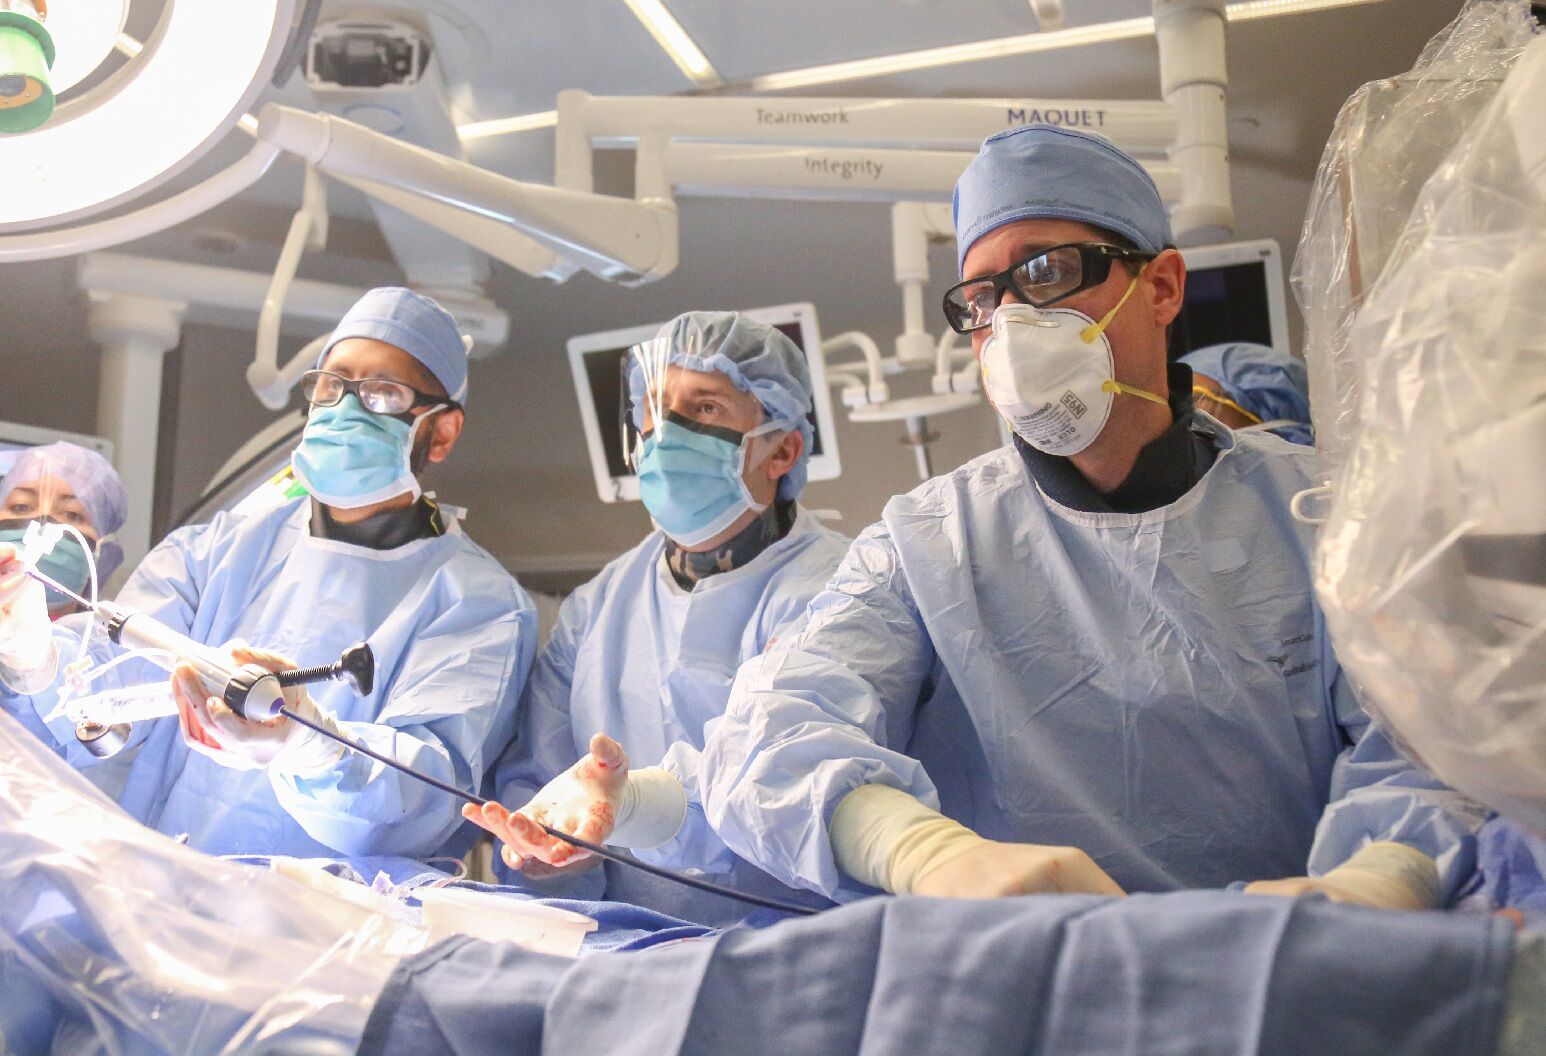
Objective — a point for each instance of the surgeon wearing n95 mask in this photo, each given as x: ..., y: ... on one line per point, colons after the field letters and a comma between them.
x: 360, y: 553
x: 1091, y: 661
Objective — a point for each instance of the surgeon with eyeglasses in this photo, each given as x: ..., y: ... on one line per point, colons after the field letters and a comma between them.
x: 359, y: 553
x: 1090, y: 661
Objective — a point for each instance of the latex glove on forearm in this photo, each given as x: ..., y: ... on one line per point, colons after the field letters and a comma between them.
x: 887, y: 839
x: 1383, y: 875
x: 27, y: 655
x: 212, y: 729
x: 597, y: 800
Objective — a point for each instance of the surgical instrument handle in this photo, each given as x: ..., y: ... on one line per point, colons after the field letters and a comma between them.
x: 259, y: 700
x: 356, y: 666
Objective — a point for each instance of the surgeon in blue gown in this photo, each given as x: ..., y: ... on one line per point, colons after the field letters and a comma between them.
x: 66, y: 484
x: 1251, y: 387
x: 648, y: 649
x: 1092, y: 660
x: 361, y: 555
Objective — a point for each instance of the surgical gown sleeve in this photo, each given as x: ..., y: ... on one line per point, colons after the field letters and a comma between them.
x: 451, y: 695
x: 1378, y: 794
x: 818, y: 715
x: 167, y: 586
x: 544, y: 744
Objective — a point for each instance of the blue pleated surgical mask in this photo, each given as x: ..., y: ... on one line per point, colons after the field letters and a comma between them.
x: 349, y: 457
x: 691, y: 477
x: 65, y: 564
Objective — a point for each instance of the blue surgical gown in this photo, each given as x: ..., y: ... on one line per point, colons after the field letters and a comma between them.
x: 1156, y: 688
x: 650, y: 664
x: 453, y: 636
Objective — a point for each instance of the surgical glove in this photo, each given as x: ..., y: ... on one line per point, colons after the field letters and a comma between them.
x: 597, y: 800
x: 212, y: 729
x: 27, y: 656
x: 1383, y: 875
x: 887, y: 839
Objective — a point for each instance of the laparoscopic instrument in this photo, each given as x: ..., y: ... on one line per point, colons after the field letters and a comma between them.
x: 256, y: 694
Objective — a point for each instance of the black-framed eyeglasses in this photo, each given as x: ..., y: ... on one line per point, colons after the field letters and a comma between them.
x: 323, y: 388
x: 1041, y: 280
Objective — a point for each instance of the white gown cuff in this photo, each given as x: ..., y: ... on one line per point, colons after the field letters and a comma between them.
x: 654, y: 805
x: 885, y: 838
x: 306, y: 752
x: 20, y: 676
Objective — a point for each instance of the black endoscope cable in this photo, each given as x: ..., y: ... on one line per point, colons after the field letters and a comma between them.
x: 434, y: 782
x: 594, y: 848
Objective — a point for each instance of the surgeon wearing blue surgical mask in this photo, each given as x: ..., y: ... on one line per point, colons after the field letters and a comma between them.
x: 647, y: 650
x: 377, y: 420
x: 358, y: 552
x: 39, y: 489
x: 709, y: 460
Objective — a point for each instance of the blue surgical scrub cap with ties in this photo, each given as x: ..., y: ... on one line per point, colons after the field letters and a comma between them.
x: 1047, y: 172
x: 414, y: 323
x: 93, y: 480
x: 1270, y: 384
x: 756, y: 357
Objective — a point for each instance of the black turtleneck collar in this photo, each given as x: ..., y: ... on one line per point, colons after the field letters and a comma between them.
x: 689, y: 567
x: 386, y: 530
x: 1166, y: 468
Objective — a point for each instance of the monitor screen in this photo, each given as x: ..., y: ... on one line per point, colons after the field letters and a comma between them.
x: 599, y: 363
x: 1233, y: 293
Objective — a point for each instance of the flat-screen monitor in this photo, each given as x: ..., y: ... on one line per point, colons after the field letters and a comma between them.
x: 1234, y: 292
x: 597, y: 361
x: 16, y: 438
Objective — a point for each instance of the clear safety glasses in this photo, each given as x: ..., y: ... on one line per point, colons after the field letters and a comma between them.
x: 1041, y: 280
x: 323, y: 388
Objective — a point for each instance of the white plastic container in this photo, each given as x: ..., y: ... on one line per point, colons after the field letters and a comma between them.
x: 503, y: 918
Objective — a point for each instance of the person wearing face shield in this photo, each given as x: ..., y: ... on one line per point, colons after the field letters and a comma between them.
x: 1090, y: 661
x: 1254, y: 388
x: 647, y: 651
x: 61, y: 483
x: 358, y: 554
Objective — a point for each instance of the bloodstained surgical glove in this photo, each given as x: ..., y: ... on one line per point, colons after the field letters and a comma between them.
x: 1383, y: 875
x: 212, y: 729
x: 887, y: 839
x: 597, y: 800
x: 27, y: 655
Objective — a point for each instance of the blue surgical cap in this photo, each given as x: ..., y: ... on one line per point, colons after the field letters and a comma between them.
x: 93, y: 480
x: 414, y: 323
x: 756, y: 357
x: 1046, y: 172
x: 1270, y: 384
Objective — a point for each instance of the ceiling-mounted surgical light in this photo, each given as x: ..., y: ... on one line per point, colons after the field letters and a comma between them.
x: 45, y: 51
x: 206, y: 63
x: 26, y: 55
x: 673, y: 39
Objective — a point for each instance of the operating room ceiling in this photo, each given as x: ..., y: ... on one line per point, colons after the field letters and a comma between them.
x: 501, y: 58
x: 1289, y: 75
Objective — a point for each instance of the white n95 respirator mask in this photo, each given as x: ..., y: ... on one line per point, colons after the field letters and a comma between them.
x: 1049, y: 373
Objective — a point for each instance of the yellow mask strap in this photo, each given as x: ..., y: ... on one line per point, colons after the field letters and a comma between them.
x: 1220, y: 398
x: 1094, y: 330
x: 1142, y: 394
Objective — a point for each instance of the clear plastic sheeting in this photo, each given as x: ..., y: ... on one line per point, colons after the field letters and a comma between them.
x: 115, y: 939
x: 1389, y: 138
x: 1432, y: 566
